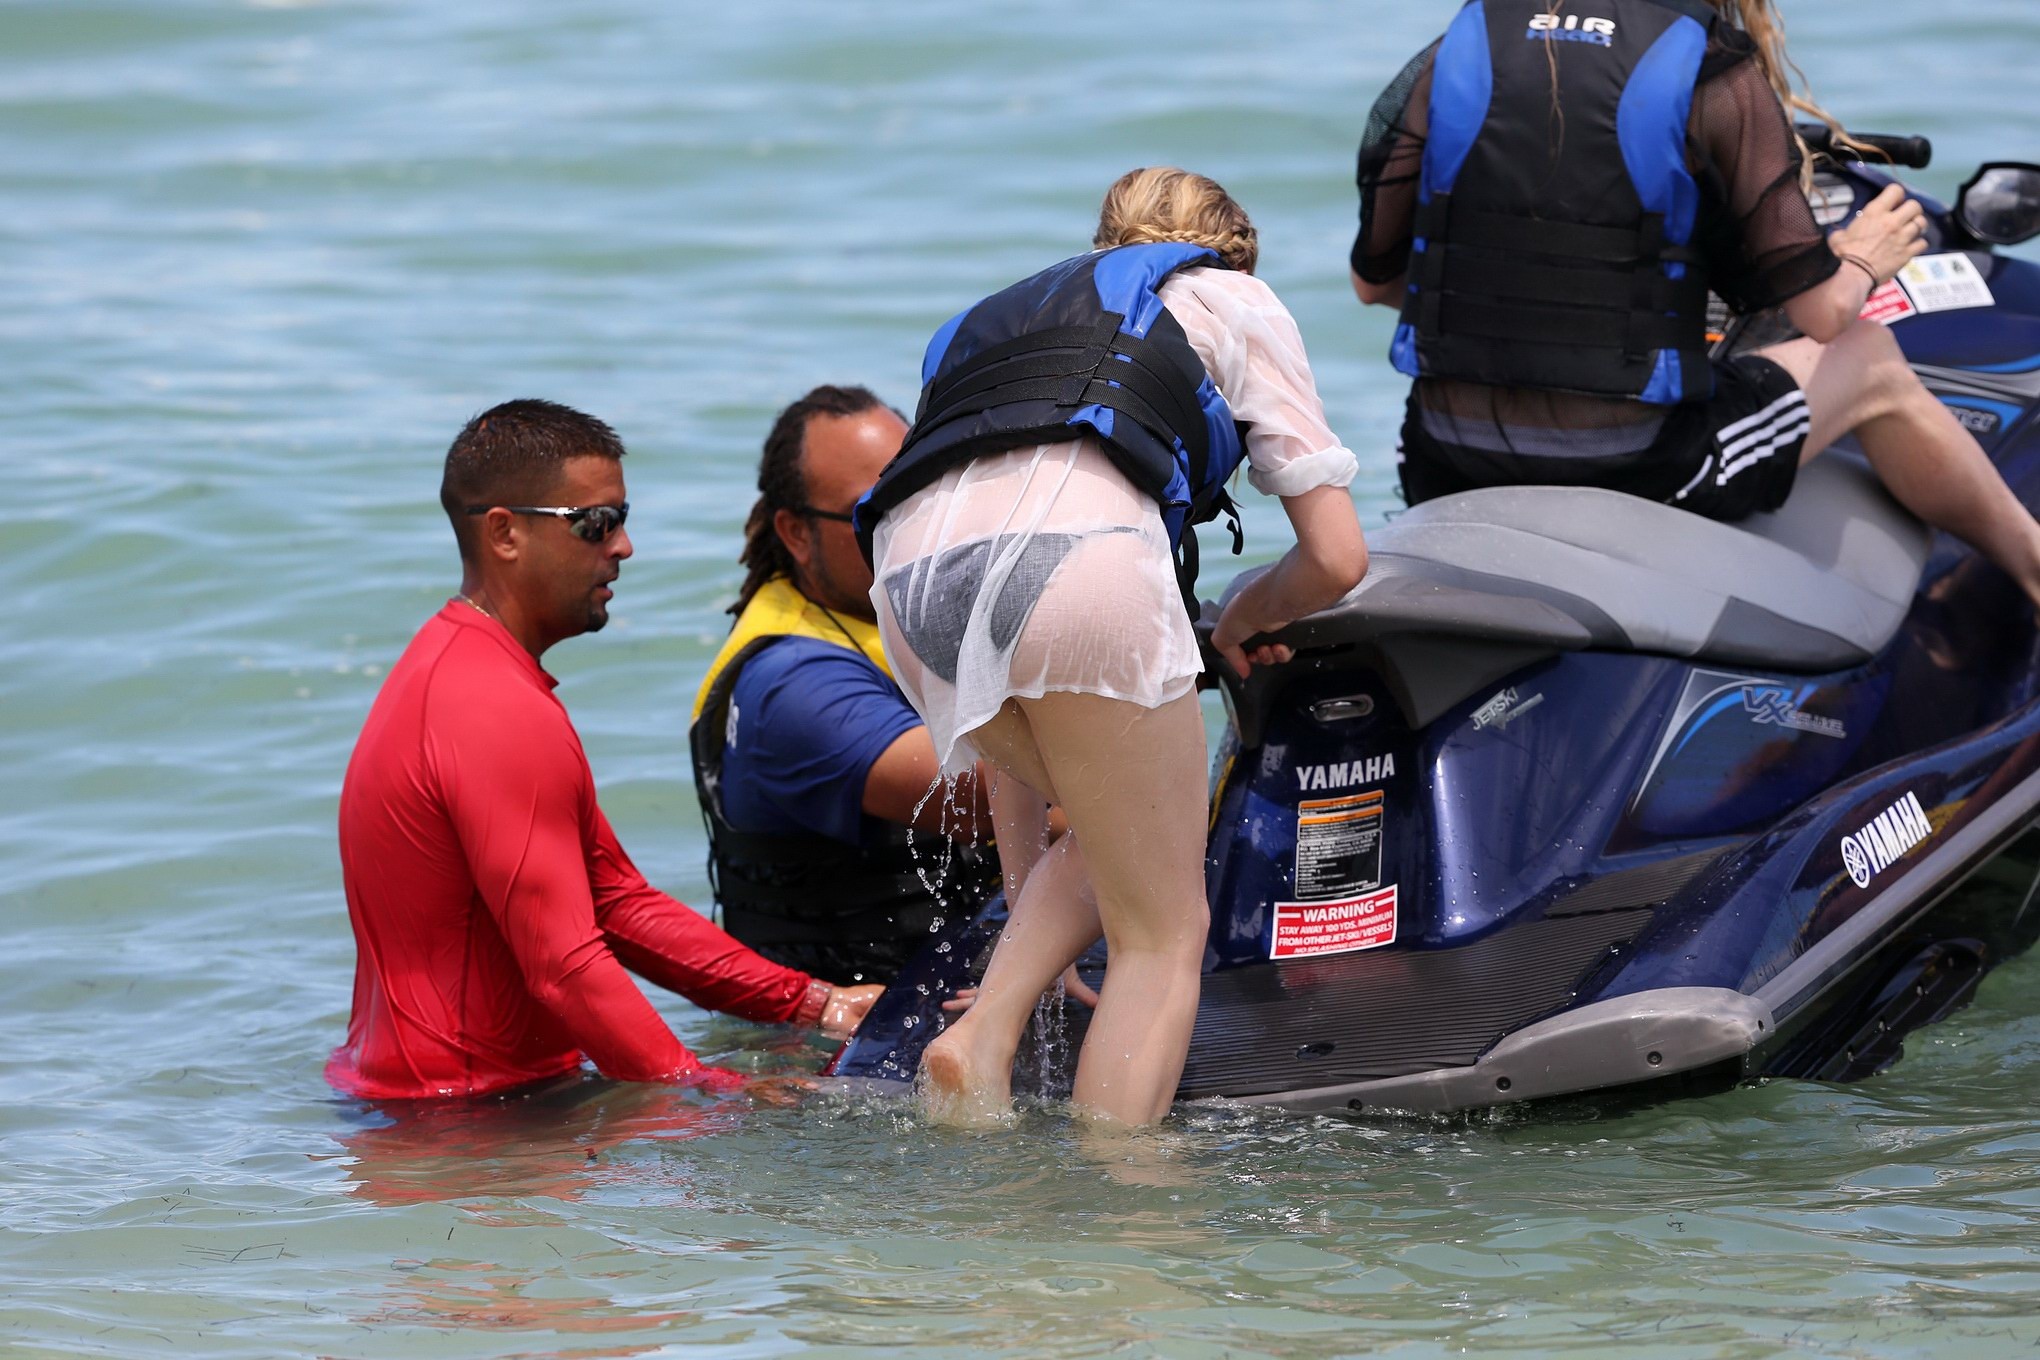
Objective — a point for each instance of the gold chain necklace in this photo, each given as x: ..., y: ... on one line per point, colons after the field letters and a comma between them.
x: 463, y: 598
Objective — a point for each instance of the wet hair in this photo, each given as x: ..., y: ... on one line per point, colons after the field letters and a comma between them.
x: 782, y: 485
x: 512, y: 454
x: 1162, y: 203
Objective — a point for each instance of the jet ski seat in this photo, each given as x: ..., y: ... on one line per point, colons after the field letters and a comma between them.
x: 1466, y: 588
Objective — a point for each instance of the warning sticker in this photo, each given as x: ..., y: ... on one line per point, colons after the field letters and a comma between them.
x: 1338, y: 846
x: 1304, y: 929
x: 1945, y: 283
x: 1887, y: 303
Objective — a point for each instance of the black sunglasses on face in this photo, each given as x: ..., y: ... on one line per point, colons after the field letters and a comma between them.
x: 594, y: 523
x: 841, y: 517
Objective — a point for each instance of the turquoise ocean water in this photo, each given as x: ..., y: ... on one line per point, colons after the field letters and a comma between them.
x: 259, y: 261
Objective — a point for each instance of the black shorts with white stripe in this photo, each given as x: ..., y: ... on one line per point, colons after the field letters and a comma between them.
x: 1743, y: 450
x: 1733, y: 455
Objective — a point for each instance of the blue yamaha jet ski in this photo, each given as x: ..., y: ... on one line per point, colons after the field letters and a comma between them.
x: 1578, y: 792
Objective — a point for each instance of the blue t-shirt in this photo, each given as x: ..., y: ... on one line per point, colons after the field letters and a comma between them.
x: 808, y: 720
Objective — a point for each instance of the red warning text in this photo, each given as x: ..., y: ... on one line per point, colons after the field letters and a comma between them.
x: 1304, y: 929
x: 1887, y: 303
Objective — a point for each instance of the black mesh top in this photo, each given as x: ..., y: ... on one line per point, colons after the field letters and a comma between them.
x: 1755, y: 230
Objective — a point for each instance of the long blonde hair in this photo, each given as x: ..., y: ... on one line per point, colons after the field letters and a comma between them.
x: 1766, y: 29
x: 1162, y: 203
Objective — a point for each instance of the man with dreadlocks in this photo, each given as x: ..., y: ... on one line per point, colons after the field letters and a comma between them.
x: 815, y: 774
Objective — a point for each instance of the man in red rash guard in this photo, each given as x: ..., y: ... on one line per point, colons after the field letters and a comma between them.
x: 494, y: 912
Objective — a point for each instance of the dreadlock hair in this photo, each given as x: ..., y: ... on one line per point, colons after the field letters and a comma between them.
x: 781, y: 485
x: 511, y: 454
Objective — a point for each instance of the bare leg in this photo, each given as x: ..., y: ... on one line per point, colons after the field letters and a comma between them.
x: 1020, y: 819
x: 1131, y: 782
x: 966, y: 1073
x: 1860, y: 381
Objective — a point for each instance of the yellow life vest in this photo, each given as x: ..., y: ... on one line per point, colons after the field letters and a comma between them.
x: 778, y: 610
x: 845, y: 912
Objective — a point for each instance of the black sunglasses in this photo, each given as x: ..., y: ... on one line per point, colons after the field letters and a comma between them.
x: 594, y: 523
x: 812, y: 512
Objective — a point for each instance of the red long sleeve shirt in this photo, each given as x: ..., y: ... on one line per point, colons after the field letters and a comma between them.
x: 493, y: 909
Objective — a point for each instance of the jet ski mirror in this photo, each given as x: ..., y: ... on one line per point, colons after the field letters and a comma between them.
x: 2000, y: 204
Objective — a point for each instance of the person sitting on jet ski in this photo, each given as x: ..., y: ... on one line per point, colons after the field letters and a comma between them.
x: 1549, y: 192
x: 815, y: 774
x: 1071, y: 427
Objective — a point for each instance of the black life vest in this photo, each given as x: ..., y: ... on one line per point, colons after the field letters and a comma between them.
x: 1553, y: 249
x: 1083, y: 347
x: 842, y: 912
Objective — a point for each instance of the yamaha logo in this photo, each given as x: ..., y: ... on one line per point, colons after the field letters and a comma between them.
x: 1890, y: 836
x: 1345, y: 774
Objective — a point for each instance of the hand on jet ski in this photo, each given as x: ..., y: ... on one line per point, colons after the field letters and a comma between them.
x: 1557, y: 334
x: 846, y: 1009
x: 1321, y: 566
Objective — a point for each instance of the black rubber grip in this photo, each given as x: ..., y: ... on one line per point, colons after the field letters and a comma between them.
x: 1913, y: 153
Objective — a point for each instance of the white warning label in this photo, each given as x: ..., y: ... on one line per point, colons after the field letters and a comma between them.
x: 1944, y: 283
x: 1304, y: 929
x: 1338, y: 846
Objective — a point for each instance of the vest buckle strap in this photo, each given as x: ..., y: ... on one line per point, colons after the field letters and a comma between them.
x: 1097, y: 352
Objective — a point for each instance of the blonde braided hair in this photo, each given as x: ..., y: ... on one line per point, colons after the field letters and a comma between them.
x: 1162, y: 203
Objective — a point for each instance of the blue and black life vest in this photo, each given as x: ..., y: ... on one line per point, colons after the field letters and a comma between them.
x: 1554, y: 228
x: 1085, y: 347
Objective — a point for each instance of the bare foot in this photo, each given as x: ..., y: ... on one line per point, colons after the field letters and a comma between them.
x: 955, y: 1091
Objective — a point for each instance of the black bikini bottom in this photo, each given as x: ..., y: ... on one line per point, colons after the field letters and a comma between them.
x: 932, y: 599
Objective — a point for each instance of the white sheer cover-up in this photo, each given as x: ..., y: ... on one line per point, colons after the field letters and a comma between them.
x: 1043, y: 568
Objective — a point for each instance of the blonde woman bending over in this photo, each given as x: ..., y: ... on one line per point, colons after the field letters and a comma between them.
x: 1070, y: 428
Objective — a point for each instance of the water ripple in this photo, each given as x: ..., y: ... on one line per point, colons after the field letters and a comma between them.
x: 264, y: 258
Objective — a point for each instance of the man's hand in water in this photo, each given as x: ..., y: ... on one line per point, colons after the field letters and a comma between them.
x: 846, y: 1008
x: 781, y: 1090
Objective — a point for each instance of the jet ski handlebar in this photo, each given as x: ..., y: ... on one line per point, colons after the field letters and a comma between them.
x: 1913, y: 153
